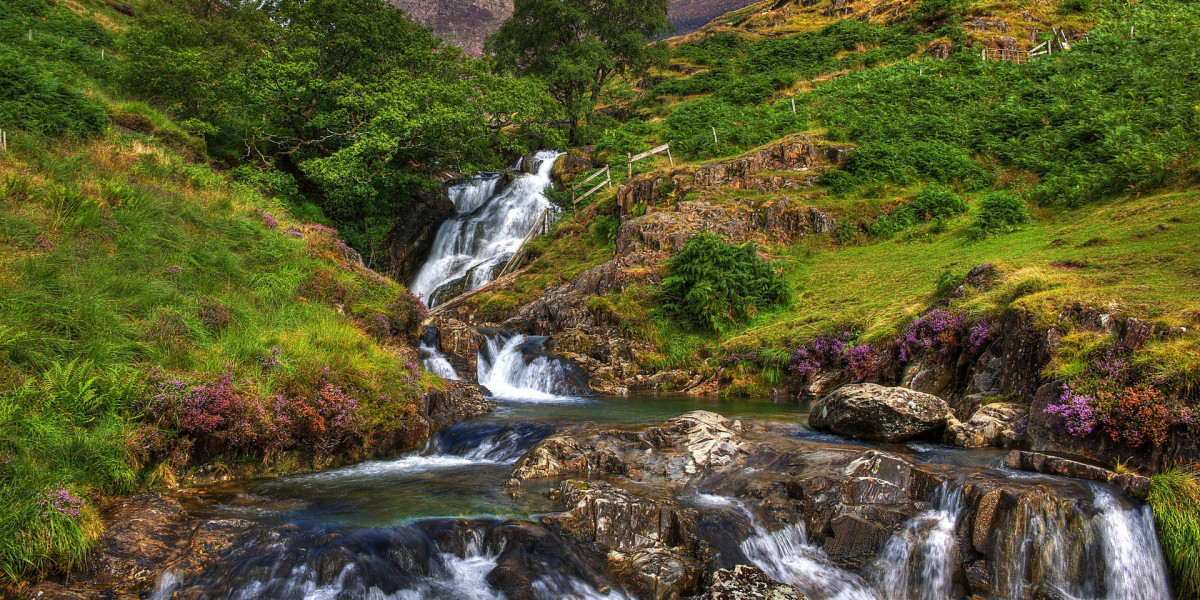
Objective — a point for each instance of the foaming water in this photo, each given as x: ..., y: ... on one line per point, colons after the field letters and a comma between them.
x: 488, y: 229
x: 506, y: 371
x: 787, y: 556
x: 435, y: 362
x: 918, y: 563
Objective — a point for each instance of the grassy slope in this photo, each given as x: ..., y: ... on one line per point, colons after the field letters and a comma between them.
x: 1127, y: 255
x: 153, y: 314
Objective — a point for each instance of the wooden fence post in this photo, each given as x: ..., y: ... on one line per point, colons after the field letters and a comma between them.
x: 715, y: 142
x: 31, y: 35
x: 629, y: 159
x: 4, y: 140
x: 669, y: 156
x: 793, y: 106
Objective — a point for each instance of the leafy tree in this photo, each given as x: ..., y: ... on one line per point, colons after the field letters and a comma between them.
x: 578, y: 45
x: 713, y: 283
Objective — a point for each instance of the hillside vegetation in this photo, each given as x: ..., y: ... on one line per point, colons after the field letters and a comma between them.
x: 156, y: 316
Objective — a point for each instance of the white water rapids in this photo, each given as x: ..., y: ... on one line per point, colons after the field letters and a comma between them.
x: 919, y: 561
x: 488, y: 229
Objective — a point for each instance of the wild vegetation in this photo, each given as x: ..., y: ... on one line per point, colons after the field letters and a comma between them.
x: 155, y: 314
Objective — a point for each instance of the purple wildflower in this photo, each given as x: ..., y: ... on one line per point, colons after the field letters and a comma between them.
x: 1077, y: 410
x: 61, y: 501
x: 268, y: 219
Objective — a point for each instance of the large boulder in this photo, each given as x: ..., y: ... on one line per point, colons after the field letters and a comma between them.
x: 887, y: 414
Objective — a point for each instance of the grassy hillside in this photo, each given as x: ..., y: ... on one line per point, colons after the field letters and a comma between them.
x: 1095, y: 146
x: 155, y: 316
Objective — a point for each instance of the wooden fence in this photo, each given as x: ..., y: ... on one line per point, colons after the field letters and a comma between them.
x: 606, y: 172
x: 1059, y: 38
x: 540, y: 226
x: 663, y: 148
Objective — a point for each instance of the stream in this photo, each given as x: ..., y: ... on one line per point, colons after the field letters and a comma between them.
x: 439, y: 524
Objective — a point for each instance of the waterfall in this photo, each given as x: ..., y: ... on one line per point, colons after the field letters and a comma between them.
x: 1133, y: 558
x: 511, y: 369
x: 488, y: 229
x: 787, y: 556
x: 918, y: 563
x: 435, y: 362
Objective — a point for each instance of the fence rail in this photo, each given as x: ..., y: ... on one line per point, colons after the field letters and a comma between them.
x: 540, y: 226
x: 606, y: 172
x: 663, y: 148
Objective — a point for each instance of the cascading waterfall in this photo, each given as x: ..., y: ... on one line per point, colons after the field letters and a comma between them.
x: 787, y: 556
x: 435, y: 362
x: 488, y: 229
x: 506, y: 371
x: 1112, y: 554
x: 918, y: 562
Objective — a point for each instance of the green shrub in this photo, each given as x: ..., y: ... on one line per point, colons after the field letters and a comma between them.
x: 999, y: 212
x: 1174, y: 497
x: 713, y: 283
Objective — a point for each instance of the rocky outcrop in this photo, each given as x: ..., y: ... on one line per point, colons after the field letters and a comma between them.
x: 412, y: 237
x: 998, y: 424
x: 629, y: 500
x: 873, y: 412
x: 1133, y: 484
x: 456, y: 402
x: 679, y: 448
x: 147, y: 535
x: 748, y: 583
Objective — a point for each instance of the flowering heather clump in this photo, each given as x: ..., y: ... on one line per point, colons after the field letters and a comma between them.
x: 293, y: 231
x: 168, y: 326
x: 1076, y: 409
x: 735, y: 358
x: 860, y: 360
x: 1120, y: 406
x: 822, y: 352
x: 268, y: 219
x: 324, y: 287
x: 61, y: 501
x: 173, y: 270
x: 215, y: 315
x: 939, y: 331
x: 271, y: 361
x: 979, y: 335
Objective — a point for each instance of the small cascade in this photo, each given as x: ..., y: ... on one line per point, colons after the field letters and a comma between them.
x: 435, y: 362
x: 493, y: 442
x: 515, y: 367
x: 787, y: 556
x: 918, y: 563
x: 489, y: 228
x: 1132, y: 555
x: 433, y: 560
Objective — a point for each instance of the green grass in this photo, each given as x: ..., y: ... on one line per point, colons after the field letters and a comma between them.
x: 1175, y: 499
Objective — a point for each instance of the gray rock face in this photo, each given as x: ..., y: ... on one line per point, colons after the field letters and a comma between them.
x: 411, y: 239
x: 998, y: 424
x: 872, y: 412
x: 748, y: 583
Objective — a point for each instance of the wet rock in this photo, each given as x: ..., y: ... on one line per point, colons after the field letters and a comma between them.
x: 411, y: 239
x: 458, y: 401
x: 460, y: 343
x: 681, y: 447
x: 744, y: 582
x: 146, y: 536
x: 998, y: 424
x: 1133, y: 484
x: 873, y: 412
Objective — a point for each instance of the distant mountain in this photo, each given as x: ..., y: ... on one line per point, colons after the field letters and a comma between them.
x: 466, y: 23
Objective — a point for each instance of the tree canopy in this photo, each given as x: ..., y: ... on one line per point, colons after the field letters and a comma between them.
x: 354, y: 103
x: 576, y: 46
